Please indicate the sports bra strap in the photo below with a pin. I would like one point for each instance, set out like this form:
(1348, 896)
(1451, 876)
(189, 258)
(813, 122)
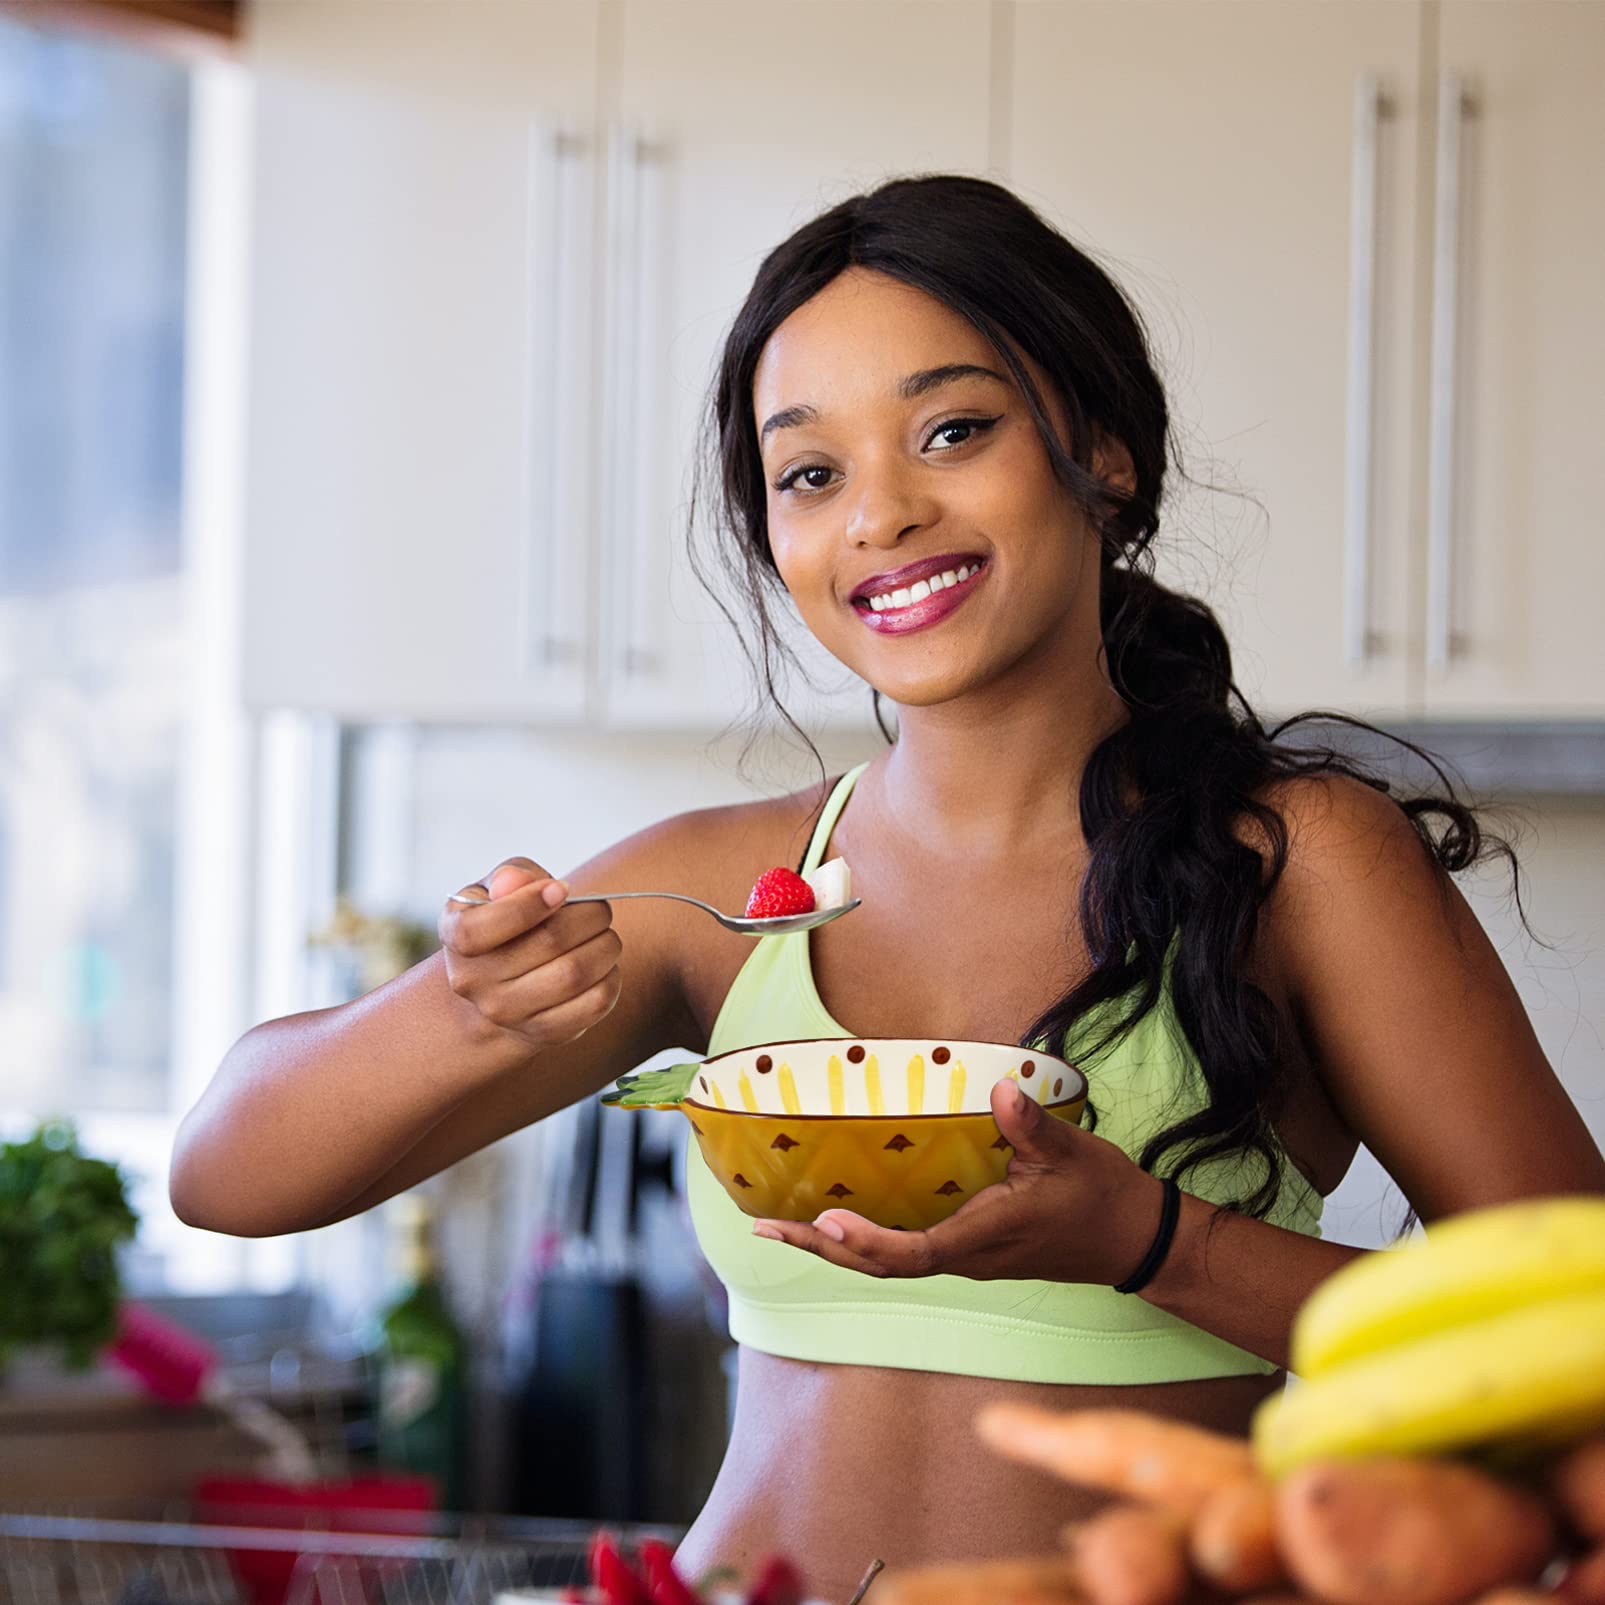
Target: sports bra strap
(828, 817)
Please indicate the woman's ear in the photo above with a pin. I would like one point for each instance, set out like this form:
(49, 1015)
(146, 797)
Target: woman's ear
(1111, 462)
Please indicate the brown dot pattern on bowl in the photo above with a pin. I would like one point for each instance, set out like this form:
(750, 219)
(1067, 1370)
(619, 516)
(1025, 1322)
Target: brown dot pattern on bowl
(948, 1188)
(855, 1054)
(1029, 1068)
(764, 1065)
(1058, 1085)
(838, 1190)
(899, 1143)
(783, 1142)
(940, 1055)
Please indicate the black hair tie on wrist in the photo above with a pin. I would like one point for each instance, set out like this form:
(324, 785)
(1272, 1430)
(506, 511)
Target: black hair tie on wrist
(1169, 1213)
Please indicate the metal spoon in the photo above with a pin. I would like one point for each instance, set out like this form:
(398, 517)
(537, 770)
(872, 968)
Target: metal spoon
(775, 925)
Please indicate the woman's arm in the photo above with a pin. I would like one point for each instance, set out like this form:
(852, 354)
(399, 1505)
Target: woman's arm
(1421, 1045)
(321, 1115)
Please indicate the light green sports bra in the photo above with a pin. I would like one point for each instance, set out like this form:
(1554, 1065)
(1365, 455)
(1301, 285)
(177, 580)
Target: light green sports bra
(787, 1302)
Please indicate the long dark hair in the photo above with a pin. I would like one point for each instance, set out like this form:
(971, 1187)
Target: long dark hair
(1171, 801)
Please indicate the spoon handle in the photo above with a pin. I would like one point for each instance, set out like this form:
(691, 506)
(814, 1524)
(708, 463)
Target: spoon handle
(613, 897)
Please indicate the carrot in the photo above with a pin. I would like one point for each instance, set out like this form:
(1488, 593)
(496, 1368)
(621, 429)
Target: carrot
(1233, 1539)
(999, 1582)
(1584, 1582)
(1160, 1462)
(1578, 1480)
(1407, 1532)
(1130, 1555)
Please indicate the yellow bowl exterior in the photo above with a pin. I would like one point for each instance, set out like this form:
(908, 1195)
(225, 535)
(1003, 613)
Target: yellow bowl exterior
(896, 1170)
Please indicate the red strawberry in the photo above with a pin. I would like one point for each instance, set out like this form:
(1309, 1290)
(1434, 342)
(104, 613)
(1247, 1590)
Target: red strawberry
(779, 1583)
(780, 891)
(613, 1575)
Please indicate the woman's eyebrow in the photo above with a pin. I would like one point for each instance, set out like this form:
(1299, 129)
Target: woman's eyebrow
(910, 388)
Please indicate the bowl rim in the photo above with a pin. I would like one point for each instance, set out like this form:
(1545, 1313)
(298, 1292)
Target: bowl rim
(690, 1102)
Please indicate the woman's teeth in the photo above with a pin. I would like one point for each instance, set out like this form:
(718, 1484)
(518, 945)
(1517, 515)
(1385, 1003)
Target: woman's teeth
(922, 588)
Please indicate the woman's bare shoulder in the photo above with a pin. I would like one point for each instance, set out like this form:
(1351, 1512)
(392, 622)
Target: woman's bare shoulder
(713, 853)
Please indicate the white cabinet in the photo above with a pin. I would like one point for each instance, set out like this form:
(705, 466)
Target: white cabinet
(753, 119)
(419, 349)
(1204, 152)
(480, 357)
(1515, 572)
(1380, 324)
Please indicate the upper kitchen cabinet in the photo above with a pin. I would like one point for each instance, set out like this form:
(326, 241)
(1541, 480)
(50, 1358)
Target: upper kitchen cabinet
(1515, 561)
(1248, 173)
(420, 358)
(737, 123)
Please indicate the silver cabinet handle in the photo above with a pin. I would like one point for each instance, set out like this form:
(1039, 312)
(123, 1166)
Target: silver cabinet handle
(1358, 639)
(1445, 340)
(625, 521)
(555, 447)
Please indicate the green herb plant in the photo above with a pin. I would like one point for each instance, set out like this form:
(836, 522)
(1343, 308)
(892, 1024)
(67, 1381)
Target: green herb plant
(62, 1217)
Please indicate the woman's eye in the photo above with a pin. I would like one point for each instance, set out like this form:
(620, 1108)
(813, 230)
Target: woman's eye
(959, 431)
(805, 473)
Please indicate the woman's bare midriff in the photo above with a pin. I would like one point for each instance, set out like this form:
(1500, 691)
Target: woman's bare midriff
(837, 1465)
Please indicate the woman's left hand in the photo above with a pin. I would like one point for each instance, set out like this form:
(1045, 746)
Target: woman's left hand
(1072, 1208)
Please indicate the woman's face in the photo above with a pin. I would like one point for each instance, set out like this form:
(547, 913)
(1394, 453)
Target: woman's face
(913, 512)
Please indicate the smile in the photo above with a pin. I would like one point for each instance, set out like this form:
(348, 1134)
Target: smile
(922, 604)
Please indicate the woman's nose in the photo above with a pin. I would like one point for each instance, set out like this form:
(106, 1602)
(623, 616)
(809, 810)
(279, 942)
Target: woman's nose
(886, 506)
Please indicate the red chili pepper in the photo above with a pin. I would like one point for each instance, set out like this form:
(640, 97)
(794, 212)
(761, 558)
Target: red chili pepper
(779, 1583)
(663, 1582)
(613, 1575)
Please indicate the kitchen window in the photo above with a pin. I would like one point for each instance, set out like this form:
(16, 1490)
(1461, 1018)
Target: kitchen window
(124, 761)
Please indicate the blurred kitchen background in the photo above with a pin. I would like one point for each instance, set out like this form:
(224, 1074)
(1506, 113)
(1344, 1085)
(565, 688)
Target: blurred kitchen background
(352, 355)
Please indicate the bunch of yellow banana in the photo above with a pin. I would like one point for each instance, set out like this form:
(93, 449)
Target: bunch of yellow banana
(1488, 1332)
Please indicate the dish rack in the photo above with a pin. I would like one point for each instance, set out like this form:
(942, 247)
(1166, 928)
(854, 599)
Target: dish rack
(77, 1560)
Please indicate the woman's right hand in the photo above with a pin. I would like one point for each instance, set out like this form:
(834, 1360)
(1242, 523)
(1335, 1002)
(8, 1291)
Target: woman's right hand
(533, 967)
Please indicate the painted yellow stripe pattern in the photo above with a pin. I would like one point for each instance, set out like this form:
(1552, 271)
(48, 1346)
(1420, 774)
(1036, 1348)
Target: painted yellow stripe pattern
(916, 1085)
(788, 1091)
(718, 1097)
(838, 1096)
(748, 1101)
(955, 1088)
(872, 1085)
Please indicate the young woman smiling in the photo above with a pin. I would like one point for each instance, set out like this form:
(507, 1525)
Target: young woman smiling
(1081, 838)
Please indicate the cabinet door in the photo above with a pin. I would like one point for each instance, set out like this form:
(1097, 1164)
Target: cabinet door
(1514, 587)
(752, 119)
(1206, 151)
(418, 535)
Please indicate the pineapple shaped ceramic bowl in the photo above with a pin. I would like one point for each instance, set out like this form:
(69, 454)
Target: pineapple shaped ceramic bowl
(900, 1131)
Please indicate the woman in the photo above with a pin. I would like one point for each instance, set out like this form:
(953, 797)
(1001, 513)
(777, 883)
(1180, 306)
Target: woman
(1078, 838)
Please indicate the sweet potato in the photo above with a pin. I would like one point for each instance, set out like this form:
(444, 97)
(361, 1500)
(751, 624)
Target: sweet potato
(1233, 1538)
(1407, 1532)
(1160, 1462)
(999, 1582)
(1130, 1555)
(1584, 1582)
(1578, 1480)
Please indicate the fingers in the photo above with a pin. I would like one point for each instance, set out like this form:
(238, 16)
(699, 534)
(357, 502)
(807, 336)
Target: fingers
(848, 1240)
(529, 962)
(522, 897)
(1036, 1136)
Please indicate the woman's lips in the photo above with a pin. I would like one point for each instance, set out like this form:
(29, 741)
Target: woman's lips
(922, 614)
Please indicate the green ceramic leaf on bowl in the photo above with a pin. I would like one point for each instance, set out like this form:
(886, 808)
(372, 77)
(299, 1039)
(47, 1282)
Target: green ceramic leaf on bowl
(652, 1089)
